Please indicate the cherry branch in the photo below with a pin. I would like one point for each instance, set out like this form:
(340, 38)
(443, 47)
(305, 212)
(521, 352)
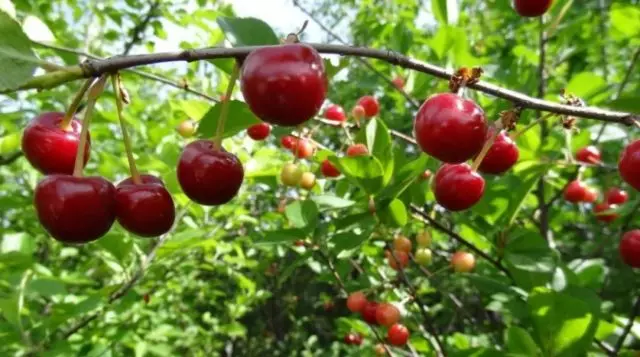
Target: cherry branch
(141, 27)
(635, 311)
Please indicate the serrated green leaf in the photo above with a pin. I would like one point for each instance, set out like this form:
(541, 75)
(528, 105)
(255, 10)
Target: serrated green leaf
(364, 171)
(281, 236)
(239, 118)
(332, 202)
(247, 31)
(394, 214)
(17, 60)
(302, 214)
(520, 341)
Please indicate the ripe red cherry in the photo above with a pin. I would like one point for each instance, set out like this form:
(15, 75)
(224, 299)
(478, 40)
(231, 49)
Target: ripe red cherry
(353, 339)
(335, 112)
(616, 196)
(302, 148)
(589, 155)
(450, 128)
(398, 335)
(145, 209)
(502, 155)
(402, 243)
(398, 82)
(532, 8)
(457, 187)
(426, 174)
(590, 195)
(401, 259)
(368, 312)
(370, 105)
(463, 262)
(284, 85)
(630, 248)
(356, 301)
(75, 209)
(328, 169)
(288, 141)
(387, 314)
(357, 150)
(207, 175)
(575, 191)
(606, 217)
(259, 131)
(49, 148)
(629, 164)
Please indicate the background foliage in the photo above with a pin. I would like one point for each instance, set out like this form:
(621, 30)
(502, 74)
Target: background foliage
(229, 281)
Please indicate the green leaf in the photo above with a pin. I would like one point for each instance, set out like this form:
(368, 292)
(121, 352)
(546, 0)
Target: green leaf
(529, 258)
(364, 171)
(565, 322)
(394, 214)
(247, 31)
(10, 143)
(9, 309)
(302, 214)
(17, 60)
(47, 287)
(439, 9)
(586, 84)
(239, 118)
(378, 140)
(520, 341)
(528, 179)
(332, 202)
(281, 236)
(590, 272)
(350, 240)
(405, 177)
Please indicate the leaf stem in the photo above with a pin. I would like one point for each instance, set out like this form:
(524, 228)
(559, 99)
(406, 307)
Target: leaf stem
(73, 107)
(135, 175)
(224, 110)
(517, 134)
(487, 146)
(94, 93)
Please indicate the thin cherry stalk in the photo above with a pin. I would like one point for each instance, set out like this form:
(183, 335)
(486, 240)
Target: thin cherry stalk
(224, 110)
(517, 134)
(135, 175)
(94, 93)
(73, 107)
(487, 146)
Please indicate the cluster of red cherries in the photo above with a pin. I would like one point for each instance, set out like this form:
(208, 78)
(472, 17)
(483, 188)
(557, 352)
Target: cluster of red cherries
(375, 313)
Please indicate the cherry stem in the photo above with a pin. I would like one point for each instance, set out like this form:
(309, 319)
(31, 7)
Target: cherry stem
(346, 131)
(486, 147)
(94, 93)
(636, 123)
(73, 107)
(441, 270)
(224, 109)
(516, 135)
(135, 175)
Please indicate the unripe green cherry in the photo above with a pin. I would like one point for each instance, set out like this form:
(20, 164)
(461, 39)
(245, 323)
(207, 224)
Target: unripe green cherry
(187, 128)
(423, 256)
(307, 180)
(290, 174)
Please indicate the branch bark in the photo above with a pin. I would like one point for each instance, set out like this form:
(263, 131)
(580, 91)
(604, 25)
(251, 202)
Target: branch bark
(9, 159)
(543, 209)
(140, 28)
(632, 317)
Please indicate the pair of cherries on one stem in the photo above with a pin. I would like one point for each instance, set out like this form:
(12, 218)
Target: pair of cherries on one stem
(454, 130)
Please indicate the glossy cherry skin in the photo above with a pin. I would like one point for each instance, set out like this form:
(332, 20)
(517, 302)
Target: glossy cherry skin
(532, 8)
(589, 155)
(463, 262)
(50, 149)
(450, 128)
(368, 312)
(602, 207)
(356, 301)
(75, 209)
(353, 339)
(302, 149)
(288, 141)
(457, 187)
(629, 164)
(398, 82)
(398, 335)
(616, 196)
(502, 155)
(284, 85)
(590, 195)
(402, 243)
(575, 191)
(357, 150)
(387, 314)
(328, 169)
(401, 259)
(370, 105)
(630, 248)
(207, 175)
(335, 112)
(259, 131)
(145, 209)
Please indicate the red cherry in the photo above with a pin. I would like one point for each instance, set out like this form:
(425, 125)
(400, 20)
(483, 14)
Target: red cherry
(207, 175)
(353, 339)
(590, 195)
(502, 155)
(370, 105)
(589, 155)
(426, 174)
(387, 314)
(284, 85)
(450, 128)
(146, 298)
(368, 312)
(629, 164)
(398, 82)
(402, 243)
(356, 301)
(328, 169)
(49, 148)
(575, 191)
(357, 339)
(259, 131)
(398, 335)
(401, 259)
(288, 141)
(75, 209)
(616, 196)
(357, 150)
(607, 217)
(302, 148)
(328, 305)
(457, 187)
(630, 248)
(532, 8)
(358, 112)
(145, 209)
(463, 262)
(335, 112)
(299, 243)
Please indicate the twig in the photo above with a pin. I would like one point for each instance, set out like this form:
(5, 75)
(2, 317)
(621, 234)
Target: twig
(9, 159)
(421, 215)
(92, 68)
(605, 347)
(543, 209)
(632, 316)
(140, 28)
